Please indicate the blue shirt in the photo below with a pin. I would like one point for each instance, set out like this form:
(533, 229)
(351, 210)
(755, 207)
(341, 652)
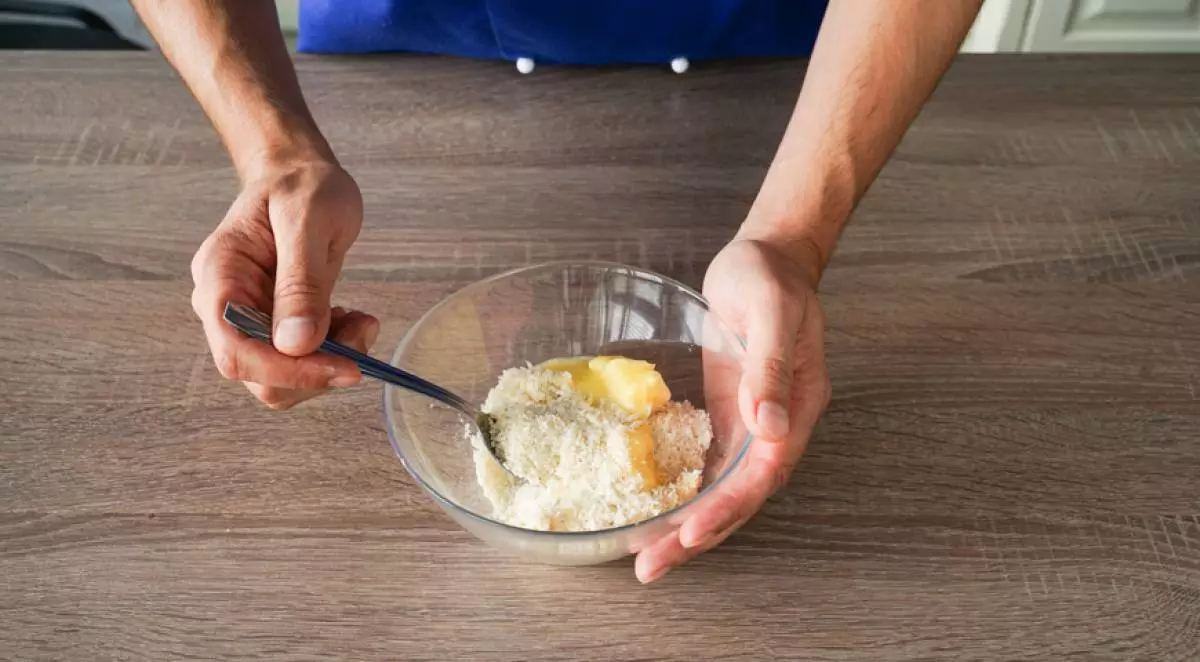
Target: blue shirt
(598, 32)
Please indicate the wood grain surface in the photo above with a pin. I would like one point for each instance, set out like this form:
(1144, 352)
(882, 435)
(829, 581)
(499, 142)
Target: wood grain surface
(1010, 468)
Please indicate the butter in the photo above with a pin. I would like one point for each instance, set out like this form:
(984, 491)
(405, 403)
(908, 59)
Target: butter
(641, 455)
(633, 386)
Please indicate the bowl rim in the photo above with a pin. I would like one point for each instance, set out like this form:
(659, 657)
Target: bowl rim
(390, 421)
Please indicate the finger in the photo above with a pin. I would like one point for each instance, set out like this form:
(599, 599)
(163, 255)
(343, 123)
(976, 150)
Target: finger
(654, 562)
(249, 360)
(767, 467)
(355, 329)
(303, 285)
(241, 358)
(764, 394)
(280, 399)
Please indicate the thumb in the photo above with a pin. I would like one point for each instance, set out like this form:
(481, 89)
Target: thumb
(303, 286)
(764, 396)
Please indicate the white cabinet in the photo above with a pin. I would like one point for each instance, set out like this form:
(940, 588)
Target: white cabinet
(288, 11)
(1114, 25)
(1095, 26)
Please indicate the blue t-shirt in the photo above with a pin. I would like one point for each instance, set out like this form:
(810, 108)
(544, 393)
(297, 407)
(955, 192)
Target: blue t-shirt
(564, 31)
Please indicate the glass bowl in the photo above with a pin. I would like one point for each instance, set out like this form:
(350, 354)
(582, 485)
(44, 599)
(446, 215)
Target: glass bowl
(557, 310)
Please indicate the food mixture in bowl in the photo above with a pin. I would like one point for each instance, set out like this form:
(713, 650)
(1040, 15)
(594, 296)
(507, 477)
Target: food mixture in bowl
(594, 443)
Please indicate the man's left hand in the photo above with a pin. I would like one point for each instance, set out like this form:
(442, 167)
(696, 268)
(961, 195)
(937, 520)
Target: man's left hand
(767, 293)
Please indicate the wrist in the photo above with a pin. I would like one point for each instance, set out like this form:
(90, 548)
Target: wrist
(801, 222)
(281, 144)
(801, 251)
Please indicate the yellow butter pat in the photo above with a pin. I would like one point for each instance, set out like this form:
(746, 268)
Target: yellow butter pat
(633, 385)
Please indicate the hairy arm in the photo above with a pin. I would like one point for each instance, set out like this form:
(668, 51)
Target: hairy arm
(874, 65)
(232, 56)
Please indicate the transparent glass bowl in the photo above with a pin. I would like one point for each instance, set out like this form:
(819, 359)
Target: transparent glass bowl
(555, 310)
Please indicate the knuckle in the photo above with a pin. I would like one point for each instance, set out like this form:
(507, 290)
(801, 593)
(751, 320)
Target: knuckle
(276, 403)
(776, 372)
(298, 284)
(729, 531)
(311, 381)
(273, 398)
(780, 476)
(197, 265)
(198, 302)
(731, 505)
(200, 260)
(228, 365)
(338, 188)
(818, 394)
(235, 239)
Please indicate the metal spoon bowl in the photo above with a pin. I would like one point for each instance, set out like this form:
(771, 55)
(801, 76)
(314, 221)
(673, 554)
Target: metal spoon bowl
(257, 324)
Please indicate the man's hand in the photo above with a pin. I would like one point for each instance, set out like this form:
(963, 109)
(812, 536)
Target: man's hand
(873, 67)
(280, 249)
(767, 293)
(281, 245)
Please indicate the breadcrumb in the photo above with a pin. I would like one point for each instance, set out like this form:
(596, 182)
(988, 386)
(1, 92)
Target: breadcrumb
(573, 457)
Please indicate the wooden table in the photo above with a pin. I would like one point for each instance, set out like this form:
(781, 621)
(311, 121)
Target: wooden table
(1010, 467)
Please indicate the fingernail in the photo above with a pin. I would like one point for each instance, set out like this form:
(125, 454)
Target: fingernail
(372, 335)
(658, 574)
(772, 420)
(344, 381)
(293, 332)
(693, 542)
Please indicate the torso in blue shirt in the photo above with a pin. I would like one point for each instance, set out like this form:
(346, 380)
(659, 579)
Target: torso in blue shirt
(564, 31)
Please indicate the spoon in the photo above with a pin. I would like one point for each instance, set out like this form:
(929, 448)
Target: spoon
(257, 324)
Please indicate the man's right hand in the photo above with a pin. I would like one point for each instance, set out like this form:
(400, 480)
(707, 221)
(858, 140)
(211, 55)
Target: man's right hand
(279, 249)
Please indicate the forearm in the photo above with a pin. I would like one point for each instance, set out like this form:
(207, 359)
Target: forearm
(874, 65)
(232, 56)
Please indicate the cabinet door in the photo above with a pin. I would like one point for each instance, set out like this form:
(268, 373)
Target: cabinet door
(1113, 26)
(288, 15)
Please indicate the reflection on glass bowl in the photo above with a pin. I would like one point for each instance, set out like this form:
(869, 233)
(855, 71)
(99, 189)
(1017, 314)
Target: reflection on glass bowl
(548, 311)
